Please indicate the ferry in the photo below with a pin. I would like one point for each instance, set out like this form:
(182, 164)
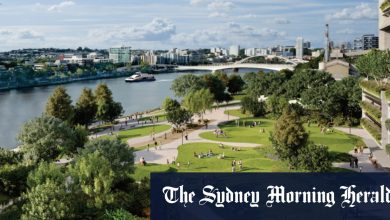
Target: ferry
(140, 77)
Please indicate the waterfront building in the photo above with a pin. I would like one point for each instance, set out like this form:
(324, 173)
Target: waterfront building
(234, 50)
(299, 48)
(120, 54)
(384, 24)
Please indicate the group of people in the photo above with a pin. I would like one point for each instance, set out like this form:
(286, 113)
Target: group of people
(236, 163)
(254, 124)
(219, 132)
(142, 161)
(236, 149)
(201, 155)
(156, 146)
(358, 149)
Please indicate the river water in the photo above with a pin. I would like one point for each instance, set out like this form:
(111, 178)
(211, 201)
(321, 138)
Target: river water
(19, 106)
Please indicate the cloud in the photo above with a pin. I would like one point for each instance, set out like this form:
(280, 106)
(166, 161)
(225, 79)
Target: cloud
(157, 30)
(220, 5)
(346, 31)
(15, 36)
(228, 34)
(281, 21)
(247, 16)
(196, 2)
(217, 15)
(361, 11)
(60, 6)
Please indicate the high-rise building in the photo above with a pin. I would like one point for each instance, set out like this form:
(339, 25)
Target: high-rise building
(370, 41)
(299, 48)
(366, 42)
(327, 44)
(234, 50)
(384, 25)
(307, 45)
(120, 54)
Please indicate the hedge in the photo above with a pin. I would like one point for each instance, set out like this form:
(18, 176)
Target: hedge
(372, 110)
(372, 128)
(388, 124)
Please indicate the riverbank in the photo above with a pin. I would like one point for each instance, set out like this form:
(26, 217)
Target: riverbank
(68, 80)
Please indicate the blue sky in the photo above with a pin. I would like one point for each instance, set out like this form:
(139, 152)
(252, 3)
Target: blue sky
(164, 24)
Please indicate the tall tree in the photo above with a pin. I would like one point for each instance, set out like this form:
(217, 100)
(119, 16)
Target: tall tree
(199, 101)
(216, 87)
(184, 84)
(86, 107)
(375, 65)
(48, 201)
(289, 136)
(235, 84)
(45, 138)
(107, 108)
(59, 105)
(252, 105)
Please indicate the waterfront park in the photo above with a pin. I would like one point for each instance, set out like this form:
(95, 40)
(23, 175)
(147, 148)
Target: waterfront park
(86, 158)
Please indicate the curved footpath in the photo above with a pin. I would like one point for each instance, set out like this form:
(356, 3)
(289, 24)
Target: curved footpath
(372, 147)
(169, 151)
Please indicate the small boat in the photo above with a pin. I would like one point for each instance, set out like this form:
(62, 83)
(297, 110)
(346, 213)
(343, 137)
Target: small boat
(140, 77)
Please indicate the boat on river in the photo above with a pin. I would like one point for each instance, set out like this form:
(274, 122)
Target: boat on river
(140, 77)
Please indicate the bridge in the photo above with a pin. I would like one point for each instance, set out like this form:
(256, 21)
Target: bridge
(213, 68)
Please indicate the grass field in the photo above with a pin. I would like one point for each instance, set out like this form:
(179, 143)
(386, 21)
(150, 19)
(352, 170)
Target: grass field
(139, 132)
(337, 141)
(261, 159)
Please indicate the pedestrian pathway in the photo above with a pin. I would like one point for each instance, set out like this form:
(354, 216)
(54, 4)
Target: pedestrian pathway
(169, 151)
(378, 154)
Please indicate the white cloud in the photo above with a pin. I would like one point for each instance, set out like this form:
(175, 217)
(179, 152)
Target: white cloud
(196, 2)
(346, 31)
(281, 21)
(157, 30)
(230, 33)
(361, 11)
(220, 5)
(18, 35)
(60, 6)
(247, 16)
(217, 15)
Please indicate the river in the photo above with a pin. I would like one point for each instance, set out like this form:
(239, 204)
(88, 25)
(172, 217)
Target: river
(19, 106)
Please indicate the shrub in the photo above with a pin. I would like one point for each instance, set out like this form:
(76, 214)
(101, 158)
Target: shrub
(315, 158)
(388, 124)
(372, 128)
(372, 110)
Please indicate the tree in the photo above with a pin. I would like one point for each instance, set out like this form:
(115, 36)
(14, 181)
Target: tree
(46, 171)
(45, 138)
(199, 101)
(119, 155)
(315, 158)
(223, 77)
(216, 87)
(252, 105)
(276, 105)
(13, 178)
(86, 107)
(235, 84)
(170, 104)
(59, 105)
(94, 176)
(9, 157)
(118, 214)
(289, 136)
(178, 116)
(183, 84)
(47, 201)
(375, 65)
(107, 108)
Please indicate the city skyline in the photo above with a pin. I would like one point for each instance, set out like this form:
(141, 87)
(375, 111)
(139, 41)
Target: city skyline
(182, 24)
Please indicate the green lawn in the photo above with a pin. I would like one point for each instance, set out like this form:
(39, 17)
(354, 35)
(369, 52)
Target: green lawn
(161, 117)
(139, 132)
(253, 159)
(338, 142)
(259, 159)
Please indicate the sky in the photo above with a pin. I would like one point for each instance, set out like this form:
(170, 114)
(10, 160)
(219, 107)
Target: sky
(165, 24)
